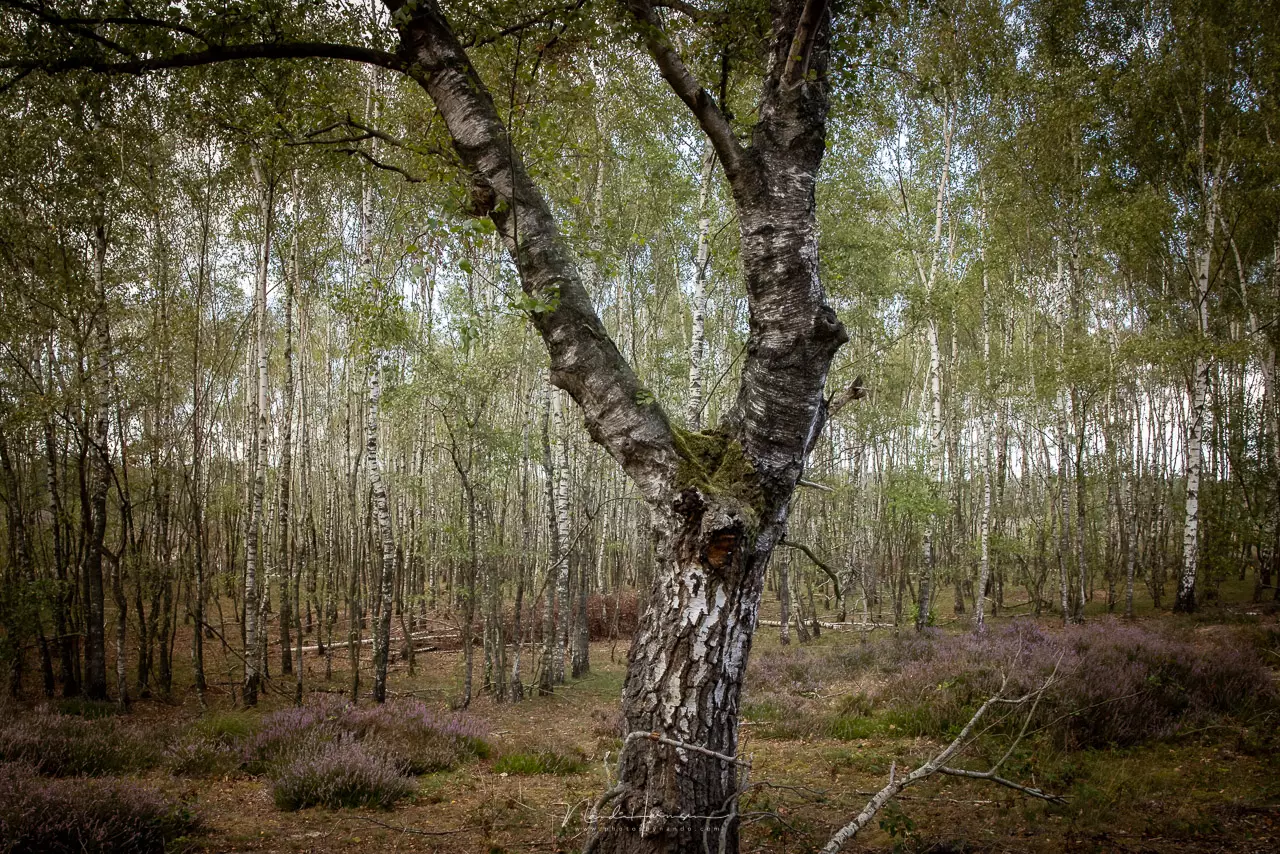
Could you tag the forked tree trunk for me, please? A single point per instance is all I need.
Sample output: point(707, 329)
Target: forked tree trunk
point(1185, 599)
point(720, 498)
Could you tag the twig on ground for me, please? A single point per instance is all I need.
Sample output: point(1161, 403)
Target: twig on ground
point(938, 765)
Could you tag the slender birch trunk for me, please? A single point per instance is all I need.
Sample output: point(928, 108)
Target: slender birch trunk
point(95, 609)
point(259, 415)
point(935, 463)
point(702, 260)
point(563, 486)
point(1185, 600)
point(284, 535)
point(984, 529)
point(382, 512)
point(197, 453)
point(546, 678)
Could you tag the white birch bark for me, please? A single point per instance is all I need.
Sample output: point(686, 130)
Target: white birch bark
point(1186, 595)
point(702, 260)
point(382, 513)
point(562, 489)
point(1185, 598)
point(984, 529)
point(259, 414)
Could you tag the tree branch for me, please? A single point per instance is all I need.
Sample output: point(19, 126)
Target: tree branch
point(620, 414)
point(389, 167)
point(704, 107)
point(687, 9)
point(519, 26)
point(802, 42)
point(938, 765)
point(855, 391)
point(813, 557)
point(212, 56)
point(1017, 787)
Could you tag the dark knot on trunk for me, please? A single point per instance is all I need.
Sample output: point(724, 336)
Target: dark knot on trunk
point(828, 328)
point(711, 533)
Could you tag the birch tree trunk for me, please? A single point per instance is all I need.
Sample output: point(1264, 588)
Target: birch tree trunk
point(197, 451)
point(1185, 599)
point(1064, 507)
point(382, 513)
point(258, 414)
point(935, 463)
point(284, 536)
point(719, 499)
point(984, 525)
point(563, 546)
point(702, 260)
point(546, 674)
point(95, 606)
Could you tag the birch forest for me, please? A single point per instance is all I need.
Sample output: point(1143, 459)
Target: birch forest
point(639, 426)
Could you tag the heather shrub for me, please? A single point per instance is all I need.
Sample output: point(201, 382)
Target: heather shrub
point(286, 733)
point(408, 733)
point(341, 773)
point(784, 670)
point(1114, 683)
point(419, 739)
point(41, 816)
point(199, 757)
point(65, 746)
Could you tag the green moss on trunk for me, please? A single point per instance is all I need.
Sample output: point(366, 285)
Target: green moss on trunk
point(716, 465)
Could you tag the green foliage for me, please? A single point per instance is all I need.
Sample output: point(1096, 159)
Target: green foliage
point(900, 827)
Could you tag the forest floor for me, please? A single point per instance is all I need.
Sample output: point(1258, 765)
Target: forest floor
point(1207, 789)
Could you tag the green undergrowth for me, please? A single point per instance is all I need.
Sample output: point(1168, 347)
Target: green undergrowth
point(540, 762)
point(227, 728)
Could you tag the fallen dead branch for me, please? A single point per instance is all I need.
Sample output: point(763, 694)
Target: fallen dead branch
point(938, 765)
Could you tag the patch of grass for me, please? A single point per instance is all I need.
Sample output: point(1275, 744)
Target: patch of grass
point(853, 728)
point(226, 728)
point(782, 718)
point(200, 757)
point(93, 709)
point(539, 762)
point(865, 760)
